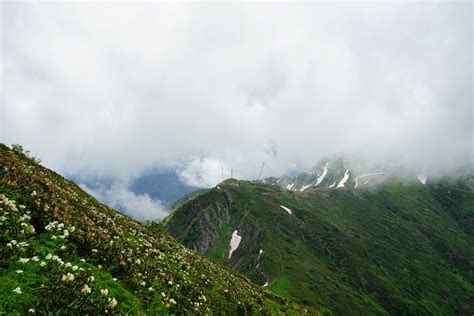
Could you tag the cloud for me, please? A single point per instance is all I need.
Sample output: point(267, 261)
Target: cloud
point(112, 89)
point(139, 206)
point(203, 172)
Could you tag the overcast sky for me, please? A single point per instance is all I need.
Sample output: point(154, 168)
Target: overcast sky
point(111, 89)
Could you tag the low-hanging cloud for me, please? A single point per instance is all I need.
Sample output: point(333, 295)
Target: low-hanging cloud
point(110, 89)
point(139, 206)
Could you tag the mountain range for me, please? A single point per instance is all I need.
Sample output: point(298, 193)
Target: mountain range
point(342, 238)
point(361, 241)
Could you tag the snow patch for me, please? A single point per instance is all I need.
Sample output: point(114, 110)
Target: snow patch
point(286, 209)
point(422, 177)
point(306, 186)
point(290, 186)
point(332, 185)
point(366, 175)
point(266, 284)
point(260, 252)
point(344, 179)
point(234, 242)
point(323, 175)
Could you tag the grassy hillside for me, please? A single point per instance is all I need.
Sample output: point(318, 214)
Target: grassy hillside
point(400, 248)
point(63, 251)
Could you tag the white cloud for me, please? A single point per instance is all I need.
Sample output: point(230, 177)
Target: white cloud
point(203, 172)
point(117, 195)
point(110, 89)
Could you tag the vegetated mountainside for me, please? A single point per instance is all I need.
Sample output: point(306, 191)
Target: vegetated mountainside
point(398, 247)
point(63, 251)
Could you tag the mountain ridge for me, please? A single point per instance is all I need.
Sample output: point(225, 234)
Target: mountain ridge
point(364, 250)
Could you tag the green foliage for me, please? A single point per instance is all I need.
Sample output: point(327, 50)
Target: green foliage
point(20, 150)
point(401, 248)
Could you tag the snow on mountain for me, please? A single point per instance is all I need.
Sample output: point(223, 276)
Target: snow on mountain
point(234, 242)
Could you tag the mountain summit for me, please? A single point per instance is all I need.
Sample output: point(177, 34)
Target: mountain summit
point(337, 172)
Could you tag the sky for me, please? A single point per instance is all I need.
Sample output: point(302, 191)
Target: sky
point(111, 89)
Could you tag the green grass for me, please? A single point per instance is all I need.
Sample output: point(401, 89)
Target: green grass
point(400, 248)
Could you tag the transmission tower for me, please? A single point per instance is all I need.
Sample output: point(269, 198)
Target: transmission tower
point(261, 170)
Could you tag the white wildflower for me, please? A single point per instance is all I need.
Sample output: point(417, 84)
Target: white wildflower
point(42, 263)
point(19, 271)
point(68, 277)
point(112, 302)
point(86, 289)
point(24, 260)
point(104, 292)
point(17, 290)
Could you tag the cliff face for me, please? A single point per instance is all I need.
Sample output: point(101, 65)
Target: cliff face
point(397, 247)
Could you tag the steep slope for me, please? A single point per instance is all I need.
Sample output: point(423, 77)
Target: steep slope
point(63, 251)
point(397, 248)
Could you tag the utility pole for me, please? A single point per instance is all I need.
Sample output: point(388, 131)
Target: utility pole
point(231, 173)
point(222, 172)
point(261, 170)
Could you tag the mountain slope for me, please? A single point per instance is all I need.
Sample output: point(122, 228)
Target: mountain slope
point(63, 251)
point(396, 248)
